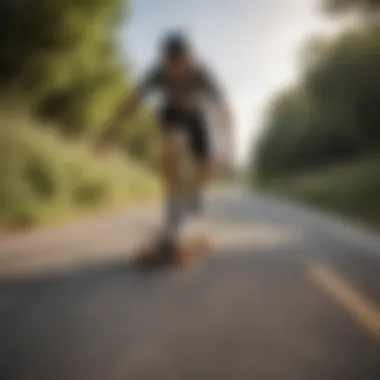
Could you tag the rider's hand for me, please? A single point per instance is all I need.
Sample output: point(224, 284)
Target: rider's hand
point(104, 141)
point(101, 147)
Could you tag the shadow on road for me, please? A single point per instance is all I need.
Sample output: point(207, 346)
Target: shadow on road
point(232, 317)
point(87, 276)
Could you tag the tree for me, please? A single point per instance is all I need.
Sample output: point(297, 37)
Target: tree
point(64, 55)
point(348, 79)
point(332, 113)
point(301, 134)
point(369, 10)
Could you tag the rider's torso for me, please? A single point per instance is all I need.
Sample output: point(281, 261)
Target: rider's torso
point(187, 93)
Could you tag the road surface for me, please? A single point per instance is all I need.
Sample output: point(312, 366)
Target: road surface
point(286, 293)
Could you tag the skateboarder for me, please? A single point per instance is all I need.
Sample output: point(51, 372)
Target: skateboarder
point(186, 85)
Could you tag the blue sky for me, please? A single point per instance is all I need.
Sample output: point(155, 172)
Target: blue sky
point(251, 45)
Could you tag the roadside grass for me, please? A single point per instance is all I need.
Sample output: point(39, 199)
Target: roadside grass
point(352, 190)
point(45, 179)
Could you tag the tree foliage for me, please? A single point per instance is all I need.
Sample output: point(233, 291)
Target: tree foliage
point(331, 115)
point(368, 11)
point(63, 54)
point(63, 57)
point(348, 79)
point(342, 6)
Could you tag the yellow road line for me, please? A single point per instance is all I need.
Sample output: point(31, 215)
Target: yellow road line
point(362, 309)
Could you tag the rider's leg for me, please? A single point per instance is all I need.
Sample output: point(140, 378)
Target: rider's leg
point(195, 222)
point(172, 121)
point(202, 177)
point(200, 147)
point(172, 146)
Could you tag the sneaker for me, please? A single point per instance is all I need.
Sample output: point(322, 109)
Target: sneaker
point(192, 226)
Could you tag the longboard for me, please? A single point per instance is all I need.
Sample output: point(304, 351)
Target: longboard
point(183, 252)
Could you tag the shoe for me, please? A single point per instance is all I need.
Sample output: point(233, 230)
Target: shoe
point(193, 226)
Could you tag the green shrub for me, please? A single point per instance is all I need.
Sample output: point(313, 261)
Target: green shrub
point(351, 189)
point(45, 178)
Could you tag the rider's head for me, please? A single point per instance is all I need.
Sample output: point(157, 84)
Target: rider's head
point(176, 51)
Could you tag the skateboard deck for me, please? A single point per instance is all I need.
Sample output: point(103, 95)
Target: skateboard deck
point(182, 252)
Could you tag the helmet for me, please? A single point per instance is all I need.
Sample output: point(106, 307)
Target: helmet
point(175, 44)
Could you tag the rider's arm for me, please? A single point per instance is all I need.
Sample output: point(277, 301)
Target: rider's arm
point(216, 94)
point(125, 110)
point(129, 106)
point(223, 109)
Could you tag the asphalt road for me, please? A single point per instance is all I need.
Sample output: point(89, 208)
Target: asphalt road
point(286, 293)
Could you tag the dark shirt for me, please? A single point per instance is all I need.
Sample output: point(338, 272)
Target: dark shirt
point(190, 94)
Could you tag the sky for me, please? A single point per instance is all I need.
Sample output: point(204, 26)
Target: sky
point(251, 45)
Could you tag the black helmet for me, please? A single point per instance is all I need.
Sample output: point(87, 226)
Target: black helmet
point(175, 44)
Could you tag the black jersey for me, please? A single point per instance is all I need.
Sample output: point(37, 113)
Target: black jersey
point(190, 94)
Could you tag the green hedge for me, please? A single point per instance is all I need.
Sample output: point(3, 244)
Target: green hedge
point(44, 178)
point(351, 189)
